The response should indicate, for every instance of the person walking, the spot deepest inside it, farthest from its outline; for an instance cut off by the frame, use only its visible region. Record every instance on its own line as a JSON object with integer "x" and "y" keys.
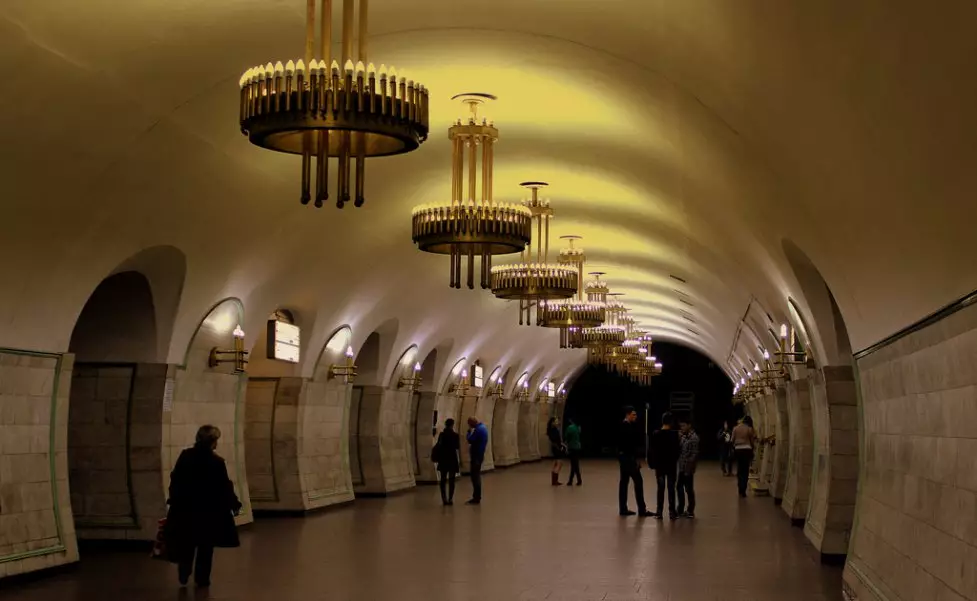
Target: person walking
{"x": 572, "y": 438}
{"x": 744, "y": 441}
{"x": 663, "y": 456}
{"x": 725, "y": 440}
{"x": 629, "y": 451}
{"x": 688, "y": 455}
{"x": 202, "y": 506}
{"x": 557, "y": 448}
{"x": 477, "y": 438}
{"x": 446, "y": 456}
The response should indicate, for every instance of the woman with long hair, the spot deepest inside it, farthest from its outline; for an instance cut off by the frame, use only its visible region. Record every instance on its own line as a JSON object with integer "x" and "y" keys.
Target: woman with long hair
{"x": 202, "y": 508}
{"x": 557, "y": 447}
{"x": 445, "y": 454}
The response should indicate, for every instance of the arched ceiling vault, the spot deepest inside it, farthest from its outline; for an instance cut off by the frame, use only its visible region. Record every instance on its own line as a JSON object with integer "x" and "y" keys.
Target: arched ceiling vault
{"x": 679, "y": 138}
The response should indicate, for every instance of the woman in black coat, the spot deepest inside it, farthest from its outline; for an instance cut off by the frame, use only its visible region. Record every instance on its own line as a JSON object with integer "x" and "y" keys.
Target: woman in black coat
{"x": 202, "y": 508}
{"x": 446, "y": 455}
{"x": 556, "y": 447}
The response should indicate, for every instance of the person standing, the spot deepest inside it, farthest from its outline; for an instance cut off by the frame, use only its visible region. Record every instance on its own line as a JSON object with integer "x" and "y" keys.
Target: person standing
{"x": 446, "y": 455}
{"x": 557, "y": 448}
{"x": 202, "y": 508}
{"x": 572, "y": 439}
{"x": 744, "y": 440}
{"x": 629, "y": 451}
{"x": 665, "y": 447}
{"x": 725, "y": 440}
{"x": 688, "y": 456}
{"x": 477, "y": 443}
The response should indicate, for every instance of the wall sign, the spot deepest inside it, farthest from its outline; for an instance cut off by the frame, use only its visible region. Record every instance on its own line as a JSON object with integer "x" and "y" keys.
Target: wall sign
{"x": 551, "y": 389}
{"x": 284, "y": 341}
{"x": 479, "y": 375}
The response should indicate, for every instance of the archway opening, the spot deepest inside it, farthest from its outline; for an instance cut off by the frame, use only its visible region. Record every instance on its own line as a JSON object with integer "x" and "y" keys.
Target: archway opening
{"x": 115, "y": 344}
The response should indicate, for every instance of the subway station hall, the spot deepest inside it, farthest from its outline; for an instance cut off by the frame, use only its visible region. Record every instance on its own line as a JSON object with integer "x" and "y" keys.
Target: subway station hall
{"x": 575, "y": 300}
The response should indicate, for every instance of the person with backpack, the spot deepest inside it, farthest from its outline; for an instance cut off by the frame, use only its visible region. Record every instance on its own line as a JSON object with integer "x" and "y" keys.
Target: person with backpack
{"x": 446, "y": 455}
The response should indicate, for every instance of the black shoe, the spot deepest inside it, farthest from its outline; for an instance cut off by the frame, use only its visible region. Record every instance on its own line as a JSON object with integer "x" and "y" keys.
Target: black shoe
{"x": 203, "y": 584}
{"x": 688, "y": 515}
{"x": 450, "y": 503}
{"x": 473, "y": 502}
{"x": 626, "y": 513}
{"x": 672, "y": 516}
{"x": 646, "y": 514}
{"x": 657, "y": 516}
{"x": 570, "y": 483}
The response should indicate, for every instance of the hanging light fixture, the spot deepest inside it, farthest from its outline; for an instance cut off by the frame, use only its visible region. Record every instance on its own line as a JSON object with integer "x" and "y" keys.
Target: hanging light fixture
{"x": 609, "y": 335}
{"x": 325, "y": 108}
{"x": 534, "y": 280}
{"x": 472, "y": 223}
{"x": 574, "y": 314}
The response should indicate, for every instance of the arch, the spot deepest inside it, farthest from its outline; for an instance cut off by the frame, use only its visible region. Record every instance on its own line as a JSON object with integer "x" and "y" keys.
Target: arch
{"x": 428, "y": 367}
{"x": 405, "y": 366}
{"x": 118, "y": 323}
{"x": 453, "y": 373}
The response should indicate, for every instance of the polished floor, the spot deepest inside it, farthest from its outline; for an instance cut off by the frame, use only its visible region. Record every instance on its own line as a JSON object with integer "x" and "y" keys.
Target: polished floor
{"x": 527, "y": 541}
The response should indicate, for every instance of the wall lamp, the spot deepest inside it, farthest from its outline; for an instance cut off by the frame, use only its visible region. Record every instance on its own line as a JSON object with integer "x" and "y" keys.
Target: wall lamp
{"x": 238, "y": 356}
{"x": 785, "y": 357}
{"x": 497, "y": 388}
{"x": 412, "y": 380}
{"x": 346, "y": 371}
{"x": 523, "y": 394}
{"x": 461, "y": 387}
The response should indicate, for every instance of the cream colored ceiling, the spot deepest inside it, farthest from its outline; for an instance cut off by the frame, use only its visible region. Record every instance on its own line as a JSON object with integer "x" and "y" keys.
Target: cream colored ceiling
{"x": 683, "y": 138}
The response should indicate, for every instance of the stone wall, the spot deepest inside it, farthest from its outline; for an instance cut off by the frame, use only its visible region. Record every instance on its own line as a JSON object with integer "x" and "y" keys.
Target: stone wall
{"x": 835, "y": 478}
{"x": 800, "y": 454}
{"x": 915, "y": 532}
{"x": 781, "y": 448}
{"x": 505, "y": 432}
{"x": 36, "y": 524}
{"x": 322, "y": 445}
{"x": 426, "y": 429}
{"x": 381, "y": 435}
{"x": 527, "y": 431}
{"x": 118, "y": 487}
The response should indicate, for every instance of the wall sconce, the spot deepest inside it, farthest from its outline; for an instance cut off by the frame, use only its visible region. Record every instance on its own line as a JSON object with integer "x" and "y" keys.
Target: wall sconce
{"x": 497, "y": 388}
{"x": 238, "y": 356}
{"x": 523, "y": 394}
{"x": 348, "y": 371}
{"x": 461, "y": 387}
{"x": 791, "y": 357}
{"x": 412, "y": 380}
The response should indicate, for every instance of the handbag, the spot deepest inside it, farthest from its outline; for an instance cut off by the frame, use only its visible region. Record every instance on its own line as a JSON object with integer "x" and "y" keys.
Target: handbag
{"x": 159, "y": 545}
{"x": 436, "y": 452}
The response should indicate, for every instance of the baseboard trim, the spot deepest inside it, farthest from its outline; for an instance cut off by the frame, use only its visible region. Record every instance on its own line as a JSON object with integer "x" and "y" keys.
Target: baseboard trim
{"x": 299, "y": 513}
{"x": 25, "y": 578}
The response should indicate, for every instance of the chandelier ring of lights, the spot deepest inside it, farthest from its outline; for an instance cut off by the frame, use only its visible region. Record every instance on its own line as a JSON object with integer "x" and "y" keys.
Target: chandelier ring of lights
{"x": 324, "y": 108}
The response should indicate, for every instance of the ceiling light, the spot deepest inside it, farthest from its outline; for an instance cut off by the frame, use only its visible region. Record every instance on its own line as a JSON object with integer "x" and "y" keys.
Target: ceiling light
{"x": 472, "y": 223}
{"x": 534, "y": 280}
{"x": 325, "y": 108}
{"x": 572, "y": 315}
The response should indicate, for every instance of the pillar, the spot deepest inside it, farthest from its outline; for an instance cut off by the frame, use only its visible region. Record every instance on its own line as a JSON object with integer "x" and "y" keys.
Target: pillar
{"x": 426, "y": 429}
{"x": 800, "y": 452}
{"x": 527, "y": 431}
{"x": 781, "y": 448}
{"x": 835, "y": 479}
{"x": 36, "y": 521}
{"x": 505, "y": 431}
{"x": 381, "y": 435}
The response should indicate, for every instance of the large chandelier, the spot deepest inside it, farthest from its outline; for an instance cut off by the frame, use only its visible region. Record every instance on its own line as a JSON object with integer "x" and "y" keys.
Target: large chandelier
{"x": 574, "y": 315}
{"x": 472, "y": 223}
{"x": 534, "y": 280}
{"x": 323, "y": 108}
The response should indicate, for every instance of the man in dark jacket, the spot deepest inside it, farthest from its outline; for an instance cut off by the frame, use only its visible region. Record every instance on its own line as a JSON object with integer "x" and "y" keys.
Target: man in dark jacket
{"x": 663, "y": 458}
{"x": 630, "y": 448}
{"x": 477, "y": 443}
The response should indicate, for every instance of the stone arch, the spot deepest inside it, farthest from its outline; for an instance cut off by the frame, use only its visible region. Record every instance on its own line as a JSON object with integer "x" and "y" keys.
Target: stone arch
{"x": 426, "y": 420}
{"x": 833, "y": 399}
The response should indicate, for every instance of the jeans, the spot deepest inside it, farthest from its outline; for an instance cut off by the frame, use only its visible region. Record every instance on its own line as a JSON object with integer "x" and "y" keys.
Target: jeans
{"x": 744, "y": 457}
{"x": 200, "y": 568}
{"x": 630, "y": 471}
{"x": 686, "y": 486}
{"x": 574, "y": 465}
{"x": 726, "y": 459}
{"x": 476, "y": 475}
{"x": 447, "y": 485}
{"x": 666, "y": 480}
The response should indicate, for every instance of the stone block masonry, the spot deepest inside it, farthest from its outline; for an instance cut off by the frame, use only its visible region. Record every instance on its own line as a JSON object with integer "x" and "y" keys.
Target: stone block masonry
{"x": 36, "y": 525}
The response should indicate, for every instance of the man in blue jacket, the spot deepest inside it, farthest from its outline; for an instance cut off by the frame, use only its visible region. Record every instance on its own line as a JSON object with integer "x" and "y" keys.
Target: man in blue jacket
{"x": 477, "y": 443}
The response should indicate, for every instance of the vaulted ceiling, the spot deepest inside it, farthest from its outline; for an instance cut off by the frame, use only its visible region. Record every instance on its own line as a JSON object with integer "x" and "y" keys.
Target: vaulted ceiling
{"x": 680, "y": 138}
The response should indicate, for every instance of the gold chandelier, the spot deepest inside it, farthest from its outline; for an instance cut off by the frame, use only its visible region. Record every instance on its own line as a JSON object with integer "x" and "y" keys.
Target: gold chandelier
{"x": 325, "y": 108}
{"x": 466, "y": 227}
{"x": 534, "y": 282}
{"x": 571, "y": 315}
{"x": 612, "y": 333}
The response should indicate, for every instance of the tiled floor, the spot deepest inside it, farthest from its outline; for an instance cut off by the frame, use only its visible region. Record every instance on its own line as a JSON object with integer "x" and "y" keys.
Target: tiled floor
{"x": 527, "y": 541}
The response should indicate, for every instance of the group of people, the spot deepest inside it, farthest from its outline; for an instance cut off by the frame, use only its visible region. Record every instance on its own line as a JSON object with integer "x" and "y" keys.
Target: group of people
{"x": 737, "y": 445}
{"x": 447, "y": 455}
{"x": 564, "y": 446}
{"x": 672, "y": 454}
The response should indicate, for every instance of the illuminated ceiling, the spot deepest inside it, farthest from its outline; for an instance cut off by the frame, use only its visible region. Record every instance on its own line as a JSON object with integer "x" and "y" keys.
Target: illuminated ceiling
{"x": 683, "y": 139}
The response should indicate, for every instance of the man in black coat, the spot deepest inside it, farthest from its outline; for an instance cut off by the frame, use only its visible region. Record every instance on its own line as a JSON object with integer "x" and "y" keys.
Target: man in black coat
{"x": 630, "y": 449}
{"x": 202, "y": 508}
{"x": 663, "y": 458}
